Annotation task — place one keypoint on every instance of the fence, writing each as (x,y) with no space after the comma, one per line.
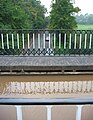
(46,42)
(48,103)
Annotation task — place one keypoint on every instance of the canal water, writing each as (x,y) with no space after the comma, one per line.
(46,86)
(66,86)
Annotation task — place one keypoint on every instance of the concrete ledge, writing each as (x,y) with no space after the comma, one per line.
(60,65)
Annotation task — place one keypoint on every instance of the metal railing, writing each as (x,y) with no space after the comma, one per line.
(48,103)
(46,42)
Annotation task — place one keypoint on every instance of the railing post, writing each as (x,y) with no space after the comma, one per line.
(12,41)
(17,40)
(80,41)
(75,44)
(2,41)
(49,112)
(44,40)
(49,40)
(38,40)
(90,43)
(78,112)
(28,40)
(7,41)
(23,40)
(65,41)
(54,40)
(19,112)
(85,46)
(33,41)
(70,41)
(60,41)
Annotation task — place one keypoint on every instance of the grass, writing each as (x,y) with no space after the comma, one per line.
(85,27)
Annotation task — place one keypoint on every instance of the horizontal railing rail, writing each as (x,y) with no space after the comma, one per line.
(49,103)
(46,42)
(27,101)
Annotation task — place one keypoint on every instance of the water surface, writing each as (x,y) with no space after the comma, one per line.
(46,86)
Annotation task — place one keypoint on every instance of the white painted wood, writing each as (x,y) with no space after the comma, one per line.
(17,40)
(54,40)
(90,43)
(85,46)
(75,44)
(2,38)
(19,112)
(28,40)
(65,41)
(44,37)
(80,41)
(60,41)
(12,41)
(23,40)
(49,112)
(33,41)
(78,112)
(70,41)
(7,41)
(38,40)
(49,40)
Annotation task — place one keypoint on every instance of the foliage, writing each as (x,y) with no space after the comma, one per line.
(36,14)
(11,15)
(18,14)
(62,15)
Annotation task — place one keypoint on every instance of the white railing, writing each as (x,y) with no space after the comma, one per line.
(46,42)
(48,103)
(49,112)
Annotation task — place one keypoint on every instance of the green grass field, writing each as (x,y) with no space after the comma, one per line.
(85,27)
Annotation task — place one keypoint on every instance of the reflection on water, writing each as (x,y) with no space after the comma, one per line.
(34,88)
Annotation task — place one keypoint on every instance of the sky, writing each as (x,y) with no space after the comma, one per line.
(86,6)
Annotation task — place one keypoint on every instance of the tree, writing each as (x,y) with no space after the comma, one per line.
(11,16)
(62,15)
(22,14)
(36,14)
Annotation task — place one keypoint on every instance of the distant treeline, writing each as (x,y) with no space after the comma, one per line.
(86,19)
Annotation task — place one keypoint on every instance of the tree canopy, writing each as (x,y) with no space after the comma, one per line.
(30,14)
(18,14)
(62,15)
